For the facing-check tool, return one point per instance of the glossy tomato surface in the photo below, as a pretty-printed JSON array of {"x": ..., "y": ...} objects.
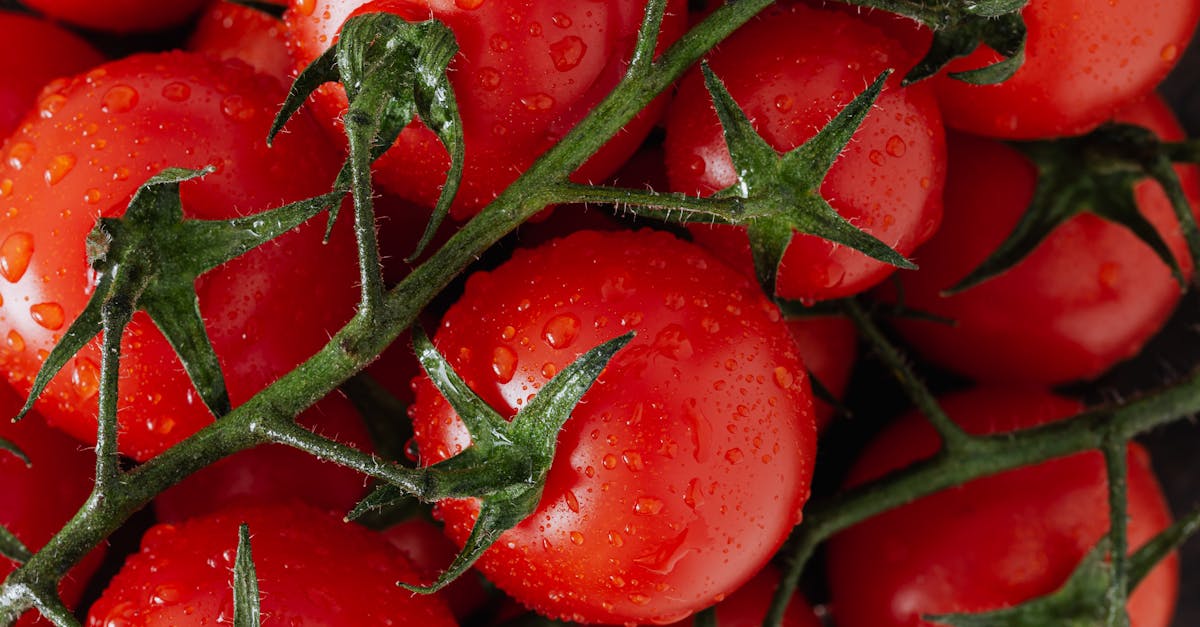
[
  {"x": 34, "y": 52},
  {"x": 1090, "y": 295},
  {"x": 97, "y": 138},
  {"x": 1084, "y": 62},
  {"x": 889, "y": 180},
  {"x": 996, "y": 541},
  {"x": 227, "y": 30},
  {"x": 748, "y": 606},
  {"x": 829, "y": 347},
  {"x": 118, "y": 16},
  {"x": 527, "y": 72},
  {"x": 313, "y": 569},
  {"x": 654, "y": 507}
]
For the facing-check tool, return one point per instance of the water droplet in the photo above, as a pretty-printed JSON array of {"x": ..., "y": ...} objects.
[
  {"x": 561, "y": 330},
  {"x": 561, "y": 20},
  {"x": 925, "y": 182},
  {"x": 92, "y": 196},
  {"x": 119, "y": 99},
  {"x": 504, "y": 363},
  {"x": 577, "y": 538},
  {"x": 572, "y": 501},
  {"x": 1169, "y": 53},
  {"x": 784, "y": 377},
  {"x": 549, "y": 370},
  {"x": 647, "y": 505},
  {"x": 85, "y": 378},
  {"x": 735, "y": 456},
  {"x": 468, "y": 5},
  {"x": 164, "y": 595},
  {"x": 306, "y": 7},
  {"x": 538, "y": 102},
  {"x": 20, "y": 154},
  {"x": 489, "y": 78},
  {"x": 508, "y": 333},
  {"x": 6, "y": 187},
  {"x": 567, "y": 52},
  {"x": 701, "y": 428},
  {"x": 784, "y": 103},
  {"x": 896, "y": 146},
  {"x": 14, "y": 255},
  {"x": 235, "y": 107},
  {"x": 633, "y": 460},
  {"x": 498, "y": 43},
  {"x": 639, "y": 599},
  {"x": 176, "y": 91},
  {"x": 609, "y": 461},
  {"x": 59, "y": 166},
  {"x": 50, "y": 105},
  {"x": 876, "y": 157},
  {"x": 48, "y": 315},
  {"x": 662, "y": 560},
  {"x": 615, "y": 539},
  {"x": 673, "y": 343},
  {"x": 15, "y": 342},
  {"x": 694, "y": 495}
]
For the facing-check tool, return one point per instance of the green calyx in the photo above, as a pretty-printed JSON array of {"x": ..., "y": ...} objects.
[
  {"x": 1094, "y": 173},
  {"x": 246, "y": 599}
]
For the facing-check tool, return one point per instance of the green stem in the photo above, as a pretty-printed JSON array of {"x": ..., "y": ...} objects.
[
  {"x": 115, "y": 317},
  {"x": 1115, "y": 460}
]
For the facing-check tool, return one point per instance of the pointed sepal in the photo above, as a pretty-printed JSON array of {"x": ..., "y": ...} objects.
[
  {"x": 7, "y": 446},
  {"x": 246, "y": 598},
  {"x": 482, "y": 422},
  {"x": 958, "y": 33},
  {"x": 12, "y": 548}
]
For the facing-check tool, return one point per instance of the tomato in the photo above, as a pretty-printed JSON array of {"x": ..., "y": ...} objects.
[
  {"x": 312, "y": 569},
  {"x": 276, "y": 472},
  {"x": 232, "y": 31},
  {"x": 118, "y": 16},
  {"x": 653, "y": 507},
  {"x": 888, "y": 181},
  {"x": 1084, "y": 61},
  {"x": 95, "y": 140},
  {"x": 429, "y": 550},
  {"x": 747, "y": 607},
  {"x": 996, "y": 541},
  {"x": 1090, "y": 295},
  {"x": 38, "y": 499},
  {"x": 34, "y": 52},
  {"x": 829, "y": 346},
  {"x": 527, "y": 72}
]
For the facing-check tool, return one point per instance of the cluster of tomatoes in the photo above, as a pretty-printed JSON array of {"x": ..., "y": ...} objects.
[{"x": 686, "y": 465}]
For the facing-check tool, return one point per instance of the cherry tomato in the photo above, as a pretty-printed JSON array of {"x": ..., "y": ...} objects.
[
  {"x": 1084, "y": 61},
  {"x": 996, "y": 541},
  {"x": 312, "y": 569},
  {"x": 748, "y": 606},
  {"x": 276, "y": 472},
  {"x": 38, "y": 499},
  {"x": 653, "y": 508},
  {"x": 118, "y": 16},
  {"x": 430, "y": 551},
  {"x": 829, "y": 346},
  {"x": 34, "y": 52},
  {"x": 887, "y": 182},
  {"x": 1089, "y": 296},
  {"x": 231, "y": 31},
  {"x": 97, "y": 138},
  {"x": 527, "y": 72}
]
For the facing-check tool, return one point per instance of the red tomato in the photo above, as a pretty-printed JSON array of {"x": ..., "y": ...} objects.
[
  {"x": 34, "y": 52},
  {"x": 232, "y": 31},
  {"x": 1089, "y": 296},
  {"x": 118, "y": 16},
  {"x": 37, "y": 500},
  {"x": 103, "y": 135},
  {"x": 996, "y": 541},
  {"x": 312, "y": 568},
  {"x": 276, "y": 472},
  {"x": 829, "y": 346},
  {"x": 654, "y": 506},
  {"x": 888, "y": 181},
  {"x": 527, "y": 72},
  {"x": 430, "y": 551},
  {"x": 748, "y": 606},
  {"x": 1084, "y": 61}
]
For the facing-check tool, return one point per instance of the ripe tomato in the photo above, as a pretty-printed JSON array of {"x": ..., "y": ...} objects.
[
  {"x": 527, "y": 72},
  {"x": 829, "y": 346},
  {"x": 231, "y": 31},
  {"x": 37, "y": 500},
  {"x": 888, "y": 181},
  {"x": 34, "y": 52},
  {"x": 996, "y": 541},
  {"x": 96, "y": 139},
  {"x": 748, "y": 606},
  {"x": 1084, "y": 61},
  {"x": 654, "y": 507},
  {"x": 1089, "y": 296},
  {"x": 276, "y": 472},
  {"x": 118, "y": 16},
  {"x": 429, "y": 551},
  {"x": 312, "y": 568}
]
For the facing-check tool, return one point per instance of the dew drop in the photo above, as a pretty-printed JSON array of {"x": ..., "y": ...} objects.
[
  {"x": 567, "y": 53},
  {"x": 508, "y": 333},
  {"x": 15, "y": 342},
  {"x": 176, "y": 91},
  {"x": 561, "y": 20},
  {"x": 504, "y": 363},
  {"x": 784, "y": 103},
  {"x": 647, "y": 505},
  {"x": 633, "y": 460},
  {"x": 561, "y": 331},
  {"x": 50, "y": 105},
  {"x": 1169, "y": 53},
  {"x": 85, "y": 378},
  {"x": 609, "y": 461},
  {"x": 876, "y": 157},
  {"x": 572, "y": 501},
  {"x": 538, "y": 102},
  {"x": 20, "y": 154},
  {"x": 784, "y": 378},
  {"x": 576, "y": 538},
  {"x": 59, "y": 166},
  {"x": 499, "y": 43},
  {"x": 6, "y": 187},
  {"x": 735, "y": 456},
  {"x": 489, "y": 78},
  {"x": 235, "y": 107},
  {"x": 119, "y": 99},
  {"x": 92, "y": 196},
  {"x": 639, "y": 599},
  {"x": 48, "y": 315},
  {"x": 896, "y": 146},
  {"x": 306, "y": 7},
  {"x": 549, "y": 370},
  {"x": 164, "y": 595},
  {"x": 14, "y": 255}
]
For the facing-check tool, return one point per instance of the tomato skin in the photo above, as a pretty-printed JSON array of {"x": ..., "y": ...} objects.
[
  {"x": 887, "y": 182},
  {"x": 996, "y": 541},
  {"x": 231, "y": 31},
  {"x": 527, "y": 72},
  {"x": 748, "y": 606},
  {"x": 648, "y": 513},
  {"x": 275, "y": 472},
  {"x": 37, "y": 500},
  {"x": 829, "y": 346},
  {"x": 34, "y": 52},
  {"x": 312, "y": 569},
  {"x": 265, "y": 311},
  {"x": 430, "y": 551},
  {"x": 118, "y": 16},
  {"x": 1084, "y": 62},
  {"x": 1089, "y": 296}
]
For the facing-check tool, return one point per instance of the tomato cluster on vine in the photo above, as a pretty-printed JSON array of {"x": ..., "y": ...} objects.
[{"x": 1018, "y": 232}]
